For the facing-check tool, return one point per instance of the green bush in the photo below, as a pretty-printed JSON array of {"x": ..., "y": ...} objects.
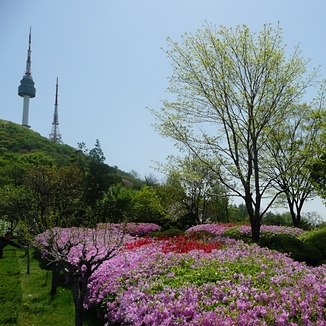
[
  {"x": 155, "y": 234},
  {"x": 321, "y": 262},
  {"x": 172, "y": 233},
  {"x": 295, "y": 248},
  {"x": 235, "y": 234},
  {"x": 203, "y": 234},
  {"x": 318, "y": 240},
  {"x": 171, "y": 225}
]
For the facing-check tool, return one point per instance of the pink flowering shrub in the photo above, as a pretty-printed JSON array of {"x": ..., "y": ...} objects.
[
  {"x": 238, "y": 285},
  {"x": 215, "y": 228},
  {"x": 78, "y": 253},
  {"x": 74, "y": 244},
  {"x": 133, "y": 229},
  {"x": 146, "y": 282},
  {"x": 244, "y": 231}
]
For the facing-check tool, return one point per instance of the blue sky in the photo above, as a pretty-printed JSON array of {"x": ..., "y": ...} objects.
[{"x": 107, "y": 55}]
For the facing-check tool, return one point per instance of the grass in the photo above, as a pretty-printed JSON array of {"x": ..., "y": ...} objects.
[
  {"x": 25, "y": 299},
  {"x": 10, "y": 290}
]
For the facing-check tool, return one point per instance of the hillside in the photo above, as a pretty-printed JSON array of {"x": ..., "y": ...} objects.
[{"x": 18, "y": 139}]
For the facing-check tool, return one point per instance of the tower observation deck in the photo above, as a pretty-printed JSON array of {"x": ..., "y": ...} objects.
[{"x": 26, "y": 88}]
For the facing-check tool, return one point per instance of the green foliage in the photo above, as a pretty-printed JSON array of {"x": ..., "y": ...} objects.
[
  {"x": 231, "y": 89},
  {"x": 172, "y": 233},
  {"x": 210, "y": 272},
  {"x": 155, "y": 234},
  {"x": 236, "y": 214},
  {"x": 296, "y": 248},
  {"x": 147, "y": 206},
  {"x": 116, "y": 204},
  {"x": 318, "y": 240},
  {"x": 277, "y": 219},
  {"x": 99, "y": 176},
  {"x": 318, "y": 175},
  {"x": 192, "y": 191},
  {"x": 235, "y": 234},
  {"x": 171, "y": 224},
  {"x": 203, "y": 234},
  {"x": 48, "y": 183},
  {"x": 285, "y": 219},
  {"x": 21, "y": 140}
]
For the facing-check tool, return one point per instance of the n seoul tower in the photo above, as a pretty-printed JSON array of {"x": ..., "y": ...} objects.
[
  {"x": 55, "y": 135},
  {"x": 26, "y": 88}
]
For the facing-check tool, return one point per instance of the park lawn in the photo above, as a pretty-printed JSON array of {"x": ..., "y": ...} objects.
[
  {"x": 25, "y": 299},
  {"x": 38, "y": 306},
  {"x": 10, "y": 290}
]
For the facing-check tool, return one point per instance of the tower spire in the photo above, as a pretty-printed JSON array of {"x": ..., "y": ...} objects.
[
  {"x": 26, "y": 88},
  {"x": 55, "y": 135},
  {"x": 28, "y": 61}
]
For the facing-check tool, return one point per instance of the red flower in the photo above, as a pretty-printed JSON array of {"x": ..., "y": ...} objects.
[{"x": 179, "y": 244}]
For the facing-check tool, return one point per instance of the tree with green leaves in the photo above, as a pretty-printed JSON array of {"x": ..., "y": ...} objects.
[
  {"x": 196, "y": 190},
  {"x": 232, "y": 88},
  {"x": 98, "y": 175},
  {"x": 294, "y": 145},
  {"x": 147, "y": 206},
  {"x": 116, "y": 205},
  {"x": 318, "y": 175}
]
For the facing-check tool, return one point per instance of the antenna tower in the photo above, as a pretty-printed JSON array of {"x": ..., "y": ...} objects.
[{"x": 55, "y": 135}]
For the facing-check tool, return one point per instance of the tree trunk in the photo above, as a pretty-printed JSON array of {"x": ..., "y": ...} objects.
[
  {"x": 255, "y": 230},
  {"x": 296, "y": 221},
  {"x": 79, "y": 289},
  {"x": 79, "y": 314},
  {"x": 296, "y": 217},
  {"x": 78, "y": 301},
  {"x": 55, "y": 279}
]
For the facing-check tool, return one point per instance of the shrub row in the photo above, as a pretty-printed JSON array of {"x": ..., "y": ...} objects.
[{"x": 309, "y": 248}]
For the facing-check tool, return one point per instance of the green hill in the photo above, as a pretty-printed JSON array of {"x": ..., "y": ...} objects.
[{"x": 18, "y": 139}]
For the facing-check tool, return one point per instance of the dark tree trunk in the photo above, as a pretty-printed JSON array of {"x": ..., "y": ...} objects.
[
  {"x": 255, "y": 220},
  {"x": 255, "y": 230},
  {"x": 296, "y": 217},
  {"x": 55, "y": 279},
  {"x": 79, "y": 289},
  {"x": 76, "y": 292}
]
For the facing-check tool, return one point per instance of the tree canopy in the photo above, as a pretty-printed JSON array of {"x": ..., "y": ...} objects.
[{"x": 232, "y": 88}]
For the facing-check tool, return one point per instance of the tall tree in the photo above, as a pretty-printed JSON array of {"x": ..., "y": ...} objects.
[
  {"x": 98, "y": 176},
  {"x": 294, "y": 145},
  {"x": 147, "y": 206},
  {"x": 200, "y": 195},
  {"x": 116, "y": 205},
  {"x": 232, "y": 88},
  {"x": 54, "y": 196}
]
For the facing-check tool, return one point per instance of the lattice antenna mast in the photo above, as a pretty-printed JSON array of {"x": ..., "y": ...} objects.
[
  {"x": 55, "y": 135},
  {"x": 26, "y": 88}
]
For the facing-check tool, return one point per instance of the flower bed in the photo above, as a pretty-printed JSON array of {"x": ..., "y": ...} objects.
[
  {"x": 271, "y": 230},
  {"x": 245, "y": 230},
  {"x": 179, "y": 244},
  {"x": 133, "y": 229},
  {"x": 190, "y": 280},
  {"x": 238, "y": 285},
  {"x": 215, "y": 228}
]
